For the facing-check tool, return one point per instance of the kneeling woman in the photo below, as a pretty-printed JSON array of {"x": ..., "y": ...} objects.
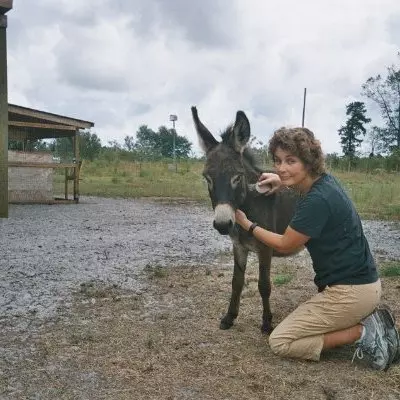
[{"x": 346, "y": 309}]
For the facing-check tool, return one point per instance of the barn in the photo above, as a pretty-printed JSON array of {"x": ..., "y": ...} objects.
[{"x": 30, "y": 173}]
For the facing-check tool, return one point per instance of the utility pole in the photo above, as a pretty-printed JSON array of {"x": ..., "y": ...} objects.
[
  {"x": 174, "y": 118},
  {"x": 304, "y": 107},
  {"x": 5, "y": 6}
]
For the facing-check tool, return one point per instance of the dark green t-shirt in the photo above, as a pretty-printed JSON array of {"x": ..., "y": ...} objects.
[{"x": 337, "y": 245}]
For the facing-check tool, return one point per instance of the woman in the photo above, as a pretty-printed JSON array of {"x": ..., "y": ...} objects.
[{"x": 346, "y": 310}]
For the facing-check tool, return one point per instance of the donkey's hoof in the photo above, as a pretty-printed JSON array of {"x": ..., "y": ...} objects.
[
  {"x": 266, "y": 328},
  {"x": 226, "y": 323}
]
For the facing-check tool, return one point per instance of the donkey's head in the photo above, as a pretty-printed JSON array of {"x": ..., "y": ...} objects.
[{"x": 227, "y": 169}]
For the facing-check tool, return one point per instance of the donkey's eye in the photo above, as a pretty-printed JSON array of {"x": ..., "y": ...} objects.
[{"x": 236, "y": 180}]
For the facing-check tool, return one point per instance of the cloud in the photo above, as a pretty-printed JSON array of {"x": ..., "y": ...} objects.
[
  {"x": 123, "y": 64},
  {"x": 199, "y": 23}
]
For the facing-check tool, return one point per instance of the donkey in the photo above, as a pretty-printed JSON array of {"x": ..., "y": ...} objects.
[{"x": 231, "y": 173}]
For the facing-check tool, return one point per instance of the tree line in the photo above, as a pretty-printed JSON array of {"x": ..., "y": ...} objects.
[{"x": 148, "y": 145}]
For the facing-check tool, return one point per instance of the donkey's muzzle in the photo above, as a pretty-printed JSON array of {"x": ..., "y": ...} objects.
[
  {"x": 223, "y": 228},
  {"x": 224, "y": 218}
]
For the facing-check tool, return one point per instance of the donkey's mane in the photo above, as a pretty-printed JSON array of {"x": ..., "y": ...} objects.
[
  {"x": 247, "y": 153},
  {"x": 225, "y": 134}
]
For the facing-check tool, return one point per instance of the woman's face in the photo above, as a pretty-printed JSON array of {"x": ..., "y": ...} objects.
[{"x": 291, "y": 169}]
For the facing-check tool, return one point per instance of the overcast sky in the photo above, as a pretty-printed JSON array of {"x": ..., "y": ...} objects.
[{"x": 125, "y": 63}]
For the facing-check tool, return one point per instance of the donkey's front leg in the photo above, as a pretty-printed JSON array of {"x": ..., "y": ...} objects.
[
  {"x": 264, "y": 287},
  {"x": 240, "y": 261}
]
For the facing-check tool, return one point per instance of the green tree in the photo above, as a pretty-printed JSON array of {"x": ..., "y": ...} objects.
[
  {"x": 378, "y": 140},
  {"x": 15, "y": 145},
  {"x": 28, "y": 145},
  {"x": 259, "y": 151},
  {"x": 332, "y": 160},
  {"x": 161, "y": 144},
  {"x": 129, "y": 143},
  {"x": 354, "y": 127},
  {"x": 147, "y": 143},
  {"x": 89, "y": 145},
  {"x": 166, "y": 138},
  {"x": 62, "y": 147},
  {"x": 385, "y": 92},
  {"x": 114, "y": 145}
]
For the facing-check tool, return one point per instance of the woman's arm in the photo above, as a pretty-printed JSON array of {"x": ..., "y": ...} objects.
[{"x": 289, "y": 242}]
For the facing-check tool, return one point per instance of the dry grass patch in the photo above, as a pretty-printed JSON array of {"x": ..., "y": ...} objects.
[{"x": 164, "y": 342}]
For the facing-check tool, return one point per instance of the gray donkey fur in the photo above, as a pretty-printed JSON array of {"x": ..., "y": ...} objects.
[{"x": 231, "y": 174}]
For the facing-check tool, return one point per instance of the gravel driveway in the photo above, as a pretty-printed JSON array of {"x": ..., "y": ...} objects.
[{"x": 47, "y": 251}]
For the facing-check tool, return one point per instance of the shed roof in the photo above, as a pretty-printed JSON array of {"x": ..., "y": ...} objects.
[{"x": 28, "y": 123}]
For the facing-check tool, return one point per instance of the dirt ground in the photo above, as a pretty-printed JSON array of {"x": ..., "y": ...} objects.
[{"x": 121, "y": 299}]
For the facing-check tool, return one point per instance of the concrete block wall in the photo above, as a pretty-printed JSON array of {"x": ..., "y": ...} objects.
[{"x": 30, "y": 184}]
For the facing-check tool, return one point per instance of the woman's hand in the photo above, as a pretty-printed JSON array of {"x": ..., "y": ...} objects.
[
  {"x": 270, "y": 179},
  {"x": 241, "y": 219}
]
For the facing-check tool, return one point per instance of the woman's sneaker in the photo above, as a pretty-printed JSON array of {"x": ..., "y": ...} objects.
[
  {"x": 392, "y": 333},
  {"x": 380, "y": 340}
]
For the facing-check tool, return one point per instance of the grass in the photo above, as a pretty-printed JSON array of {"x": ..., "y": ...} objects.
[
  {"x": 279, "y": 280},
  {"x": 133, "y": 180},
  {"x": 376, "y": 196},
  {"x": 390, "y": 269},
  {"x": 156, "y": 271}
]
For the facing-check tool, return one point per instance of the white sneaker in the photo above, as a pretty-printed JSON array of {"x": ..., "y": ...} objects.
[{"x": 381, "y": 339}]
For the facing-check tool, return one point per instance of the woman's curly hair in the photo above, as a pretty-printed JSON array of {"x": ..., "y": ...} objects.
[{"x": 301, "y": 143}]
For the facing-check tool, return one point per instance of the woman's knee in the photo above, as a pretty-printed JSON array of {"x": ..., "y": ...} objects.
[{"x": 278, "y": 344}]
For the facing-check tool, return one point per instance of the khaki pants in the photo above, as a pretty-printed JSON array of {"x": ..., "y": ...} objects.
[{"x": 301, "y": 333}]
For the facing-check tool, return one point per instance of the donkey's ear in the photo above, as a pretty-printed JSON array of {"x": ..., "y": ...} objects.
[
  {"x": 241, "y": 131},
  {"x": 207, "y": 140}
]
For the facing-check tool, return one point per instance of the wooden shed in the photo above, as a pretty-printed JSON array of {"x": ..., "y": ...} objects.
[{"x": 30, "y": 173}]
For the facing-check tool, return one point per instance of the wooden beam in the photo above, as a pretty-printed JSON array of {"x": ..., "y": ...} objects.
[
  {"x": 38, "y": 125},
  {"x": 66, "y": 184},
  {"x": 77, "y": 167},
  {"x": 3, "y": 117},
  {"x": 41, "y": 165},
  {"x": 58, "y": 119}
]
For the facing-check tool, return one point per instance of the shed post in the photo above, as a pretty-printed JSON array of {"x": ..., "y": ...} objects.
[
  {"x": 5, "y": 6},
  {"x": 77, "y": 166}
]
